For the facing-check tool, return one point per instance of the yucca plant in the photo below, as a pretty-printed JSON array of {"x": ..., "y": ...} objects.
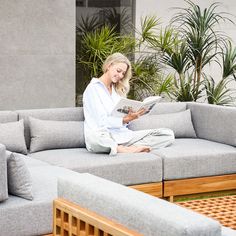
[
  {"x": 219, "y": 93},
  {"x": 88, "y": 24},
  {"x": 97, "y": 45},
  {"x": 144, "y": 78},
  {"x": 165, "y": 86},
  {"x": 185, "y": 89},
  {"x": 198, "y": 29},
  {"x": 229, "y": 60}
]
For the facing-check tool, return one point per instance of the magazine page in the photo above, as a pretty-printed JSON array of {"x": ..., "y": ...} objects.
[{"x": 124, "y": 105}]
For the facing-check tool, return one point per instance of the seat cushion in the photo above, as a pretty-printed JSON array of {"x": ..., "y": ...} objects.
[
  {"x": 35, "y": 216},
  {"x": 188, "y": 158},
  {"x": 126, "y": 168},
  {"x": 228, "y": 232}
]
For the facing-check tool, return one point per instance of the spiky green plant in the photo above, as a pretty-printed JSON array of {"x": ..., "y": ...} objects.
[
  {"x": 229, "y": 60},
  {"x": 99, "y": 44},
  {"x": 198, "y": 29},
  {"x": 88, "y": 24},
  {"x": 219, "y": 93},
  {"x": 145, "y": 77},
  {"x": 165, "y": 86},
  {"x": 185, "y": 89}
]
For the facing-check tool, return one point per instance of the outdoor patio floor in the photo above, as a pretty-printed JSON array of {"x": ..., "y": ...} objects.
[{"x": 222, "y": 209}]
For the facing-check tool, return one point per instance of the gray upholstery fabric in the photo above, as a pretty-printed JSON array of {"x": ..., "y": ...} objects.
[
  {"x": 20, "y": 217},
  {"x": 168, "y": 107},
  {"x": 126, "y": 168},
  {"x": 216, "y": 123},
  {"x": 8, "y": 116},
  {"x": 30, "y": 162},
  {"x": 18, "y": 177},
  {"x": 3, "y": 174},
  {"x": 60, "y": 114},
  {"x": 146, "y": 214},
  {"x": 179, "y": 122},
  {"x": 12, "y": 136},
  {"x": 188, "y": 158},
  {"x": 228, "y": 232},
  {"x": 48, "y": 134}
]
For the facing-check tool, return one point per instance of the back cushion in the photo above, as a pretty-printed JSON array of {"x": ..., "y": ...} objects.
[
  {"x": 57, "y": 114},
  {"x": 8, "y": 116},
  {"x": 3, "y": 174},
  {"x": 179, "y": 122},
  {"x": 168, "y": 107},
  {"x": 50, "y": 134},
  {"x": 11, "y": 131},
  {"x": 215, "y": 123},
  {"x": 12, "y": 136}
]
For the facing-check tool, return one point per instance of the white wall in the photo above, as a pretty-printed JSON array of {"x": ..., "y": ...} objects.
[
  {"x": 37, "y": 54},
  {"x": 164, "y": 9}
]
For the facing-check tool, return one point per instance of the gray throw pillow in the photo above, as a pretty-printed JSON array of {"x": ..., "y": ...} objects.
[
  {"x": 48, "y": 134},
  {"x": 18, "y": 177},
  {"x": 12, "y": 136},
  {"x": 179, "y": 122},
  {"x": 3, "y": 174}
]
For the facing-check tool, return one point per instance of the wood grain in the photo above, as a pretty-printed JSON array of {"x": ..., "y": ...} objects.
[
  {"x": 71, "y": 219},
  {"x": 154, "y": 189},
  {"x": 199, "y": 185}
]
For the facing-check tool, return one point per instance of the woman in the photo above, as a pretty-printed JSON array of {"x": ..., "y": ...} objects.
[{"x": 108, "y": 134}]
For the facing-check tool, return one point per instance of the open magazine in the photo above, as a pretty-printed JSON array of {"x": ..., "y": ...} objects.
[{"x": 124, "y": 105}]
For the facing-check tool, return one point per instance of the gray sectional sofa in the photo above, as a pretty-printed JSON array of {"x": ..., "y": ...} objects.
[{"x": 47, "y": 144}]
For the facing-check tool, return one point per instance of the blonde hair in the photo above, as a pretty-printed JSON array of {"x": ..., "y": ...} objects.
[{"x": 122, "y": 87}]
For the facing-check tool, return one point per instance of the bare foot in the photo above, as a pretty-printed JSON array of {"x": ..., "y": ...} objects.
[{"x": 133, "y": 149}]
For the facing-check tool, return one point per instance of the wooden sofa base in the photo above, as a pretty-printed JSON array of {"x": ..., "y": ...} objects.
[
  {"x": 70, "y": 219},
  {"x": 198, "y": 185},
  {"x": 154, "y": 189}
]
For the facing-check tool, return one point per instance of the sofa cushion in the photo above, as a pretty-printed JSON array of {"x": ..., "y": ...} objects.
[
  {"x": 20, "y": 217},
  {"x": 228, "y": 232},
  {"x": 48, "y": 134},
  {"x": 3, "y": 174},
  {"x": 8, "y": 116},
  {"x": 187, "y": 158},
  {"x": 60, "y": 114},
  {"x": 12, "y": 136},
  {"x": 179, "y": 122},
  {"x": 136, "y": 210},
  {"x": 18, "y": 177},
  {"x": 215, "y": 123},
  {"x": 124, "y": 168},
  {"x": 168, "y": 107}
]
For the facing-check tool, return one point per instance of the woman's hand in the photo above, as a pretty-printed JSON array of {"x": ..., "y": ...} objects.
[{"x": 133, "y": 115}]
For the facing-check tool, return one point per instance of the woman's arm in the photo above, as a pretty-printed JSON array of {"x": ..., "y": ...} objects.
[{"x": 133, "y": 115}]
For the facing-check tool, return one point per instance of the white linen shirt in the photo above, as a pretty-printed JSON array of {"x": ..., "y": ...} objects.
[{"x": 98, "y": 104}]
